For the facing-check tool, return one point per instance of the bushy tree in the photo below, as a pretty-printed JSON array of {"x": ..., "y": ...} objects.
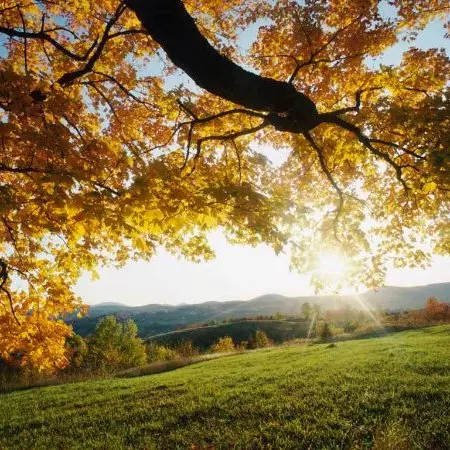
[
  {"x": 101, "y": 162},
  {"x": 350, "y": 327},
  {"x": 436, "y": 310},
  {"x": 132, "y": 347},
  {"x": 115, "y": 345},
  {"x": 223, "y": 345},
  {"x": 261, "y": 339}
]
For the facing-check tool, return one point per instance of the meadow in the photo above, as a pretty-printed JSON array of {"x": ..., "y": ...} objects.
[{"x": 391, "y": 392}]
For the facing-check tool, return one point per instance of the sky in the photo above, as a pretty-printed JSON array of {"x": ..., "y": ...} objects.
[{"x": 238, "y": 272}]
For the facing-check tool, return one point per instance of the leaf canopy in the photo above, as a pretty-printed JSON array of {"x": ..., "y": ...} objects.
[{"x": 108, "y": 151}]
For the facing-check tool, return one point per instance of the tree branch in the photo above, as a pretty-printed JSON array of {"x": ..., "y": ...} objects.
[
  {"x": 70, "y": 77},
  {"x": 169, "y": 24},
  {"x": 3, "y": 280},
  {"x": 44, "y": 36},
  {"x": 367, "y": 143},
  {"x": 328, "y": 174}
]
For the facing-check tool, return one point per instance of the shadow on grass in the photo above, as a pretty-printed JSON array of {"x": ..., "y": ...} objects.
[
  {"x": 150, "y": 369},
  {"x": 167, "y": 366}
]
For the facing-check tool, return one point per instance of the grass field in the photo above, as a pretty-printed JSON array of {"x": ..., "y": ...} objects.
[{"x": 390, "y": 392}]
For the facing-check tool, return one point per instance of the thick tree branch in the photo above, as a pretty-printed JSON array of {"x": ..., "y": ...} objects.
[{"x": 169, "y": 24}]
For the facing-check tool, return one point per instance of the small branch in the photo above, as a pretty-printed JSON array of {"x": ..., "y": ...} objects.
[
  {"x": 238, "y": 156},
  {"x": 328, "y": 174},
  {"x": 121, "y": 87},
  {"x": 68, "y": 78},
  {"x": 367, "y": 143},
  {"x": 399, "y": 147},
  {"x": 3, "y": 280},
  {"x": 357, "y": 105},
  {"x": 225, "y": 137},
  {"x": 188, "y": 149},
  {"x": 107, "y": 188},
  {"x": 44, "y": 36}
]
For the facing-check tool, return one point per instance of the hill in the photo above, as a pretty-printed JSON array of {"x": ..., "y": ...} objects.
[
  {"x": 155, "y": 318},
  {"x": 390, "y": 392},
  {"x": 278, "y": 330}
]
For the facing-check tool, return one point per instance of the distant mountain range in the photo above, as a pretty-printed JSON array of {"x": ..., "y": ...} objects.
[{"x": 156, "y": 318}]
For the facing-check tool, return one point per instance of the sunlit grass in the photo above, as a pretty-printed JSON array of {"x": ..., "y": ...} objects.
[{"x": 389, "y": 392}]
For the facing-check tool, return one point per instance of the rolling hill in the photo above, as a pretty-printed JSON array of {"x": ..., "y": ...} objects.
[
  {"x": 154, "y": 319},
  {"x": 278, "y": 330}
]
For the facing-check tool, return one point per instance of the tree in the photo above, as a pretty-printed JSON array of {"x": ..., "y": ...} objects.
[
  {"x": 436, "y": 310},
  {"x": 306, "y": 311},
  {"x": 116, "y": 346},
  {"x": 261, "y": 339},
  {"x": 223, "y": 345},
  {"x": 132, "y": 347},
  {"x": 326, "y": 333},
  {"x": 103, "y": 161}
]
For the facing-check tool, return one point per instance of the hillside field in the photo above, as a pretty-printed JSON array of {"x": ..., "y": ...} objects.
[
  {"x": 391, "y": 392},
  {"x": 278, "y": 330}
]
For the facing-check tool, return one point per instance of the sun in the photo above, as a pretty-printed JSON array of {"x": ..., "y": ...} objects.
[{"x": 332, "y": 265}]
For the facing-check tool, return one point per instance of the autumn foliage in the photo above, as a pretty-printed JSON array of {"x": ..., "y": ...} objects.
[{"x": 108, "y": 151}]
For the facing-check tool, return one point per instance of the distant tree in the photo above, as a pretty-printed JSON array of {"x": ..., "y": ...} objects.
[
  {"x": 223, "y": 345},
  {"x": 306, "y": 311},
  {"x": 261, "y": 339},
  {"x": 115, "y": 345},
  {"x": 326, "y": 334},
  {"x": 436, "y": 310}
]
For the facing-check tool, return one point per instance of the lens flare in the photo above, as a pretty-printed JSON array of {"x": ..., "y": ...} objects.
[{"x": 332, "y": 268}]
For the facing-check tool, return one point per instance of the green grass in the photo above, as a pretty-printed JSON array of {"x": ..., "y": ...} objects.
[{"x": 389, "y": 392}]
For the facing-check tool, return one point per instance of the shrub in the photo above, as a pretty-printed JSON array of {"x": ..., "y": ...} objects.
[
  {"x": 77, "y": 352},
  {"x": 350, "y": 327},
  {"x": 243, "y": 345},
  {"x": 186, "y": 349},
  {"x": 158, "y": 352},
  {"x": 223, "y": 345},
  {"x": 261, "y": 339},
  {"x": 325, "y": 333}
]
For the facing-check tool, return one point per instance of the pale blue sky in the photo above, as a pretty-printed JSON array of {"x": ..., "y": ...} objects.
[{"x": 238, "y": 272}]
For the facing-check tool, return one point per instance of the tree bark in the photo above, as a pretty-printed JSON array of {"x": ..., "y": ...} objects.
[{"x": 169, "y": 24}]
